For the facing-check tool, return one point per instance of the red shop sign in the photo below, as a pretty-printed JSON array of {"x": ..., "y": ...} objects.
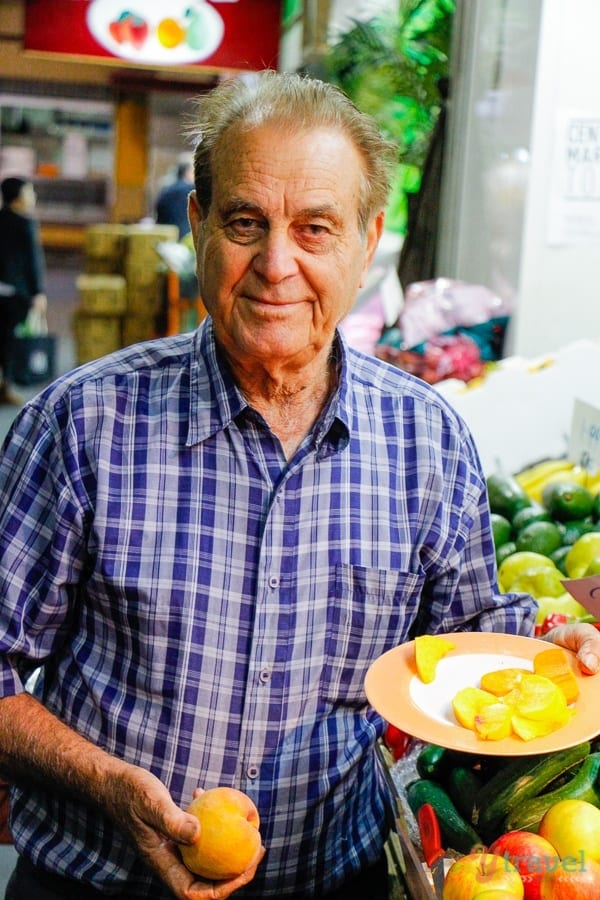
[{"x": 215, "y": 34}]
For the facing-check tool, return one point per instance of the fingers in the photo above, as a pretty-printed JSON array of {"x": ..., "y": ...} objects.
[
  {"x": 219, "y": 890},
  {"x": 584, "y": 640}
]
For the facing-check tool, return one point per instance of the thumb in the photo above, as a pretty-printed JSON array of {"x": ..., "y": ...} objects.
[
  {"x": 582, "y": 639},
  {"x": 182, "y": 828}
]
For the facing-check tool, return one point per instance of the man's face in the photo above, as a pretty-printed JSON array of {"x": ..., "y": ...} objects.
[{"x": 280, "y": 255}]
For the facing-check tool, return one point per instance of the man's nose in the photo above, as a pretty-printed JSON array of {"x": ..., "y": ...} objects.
[{"x": 275, "y": 259}]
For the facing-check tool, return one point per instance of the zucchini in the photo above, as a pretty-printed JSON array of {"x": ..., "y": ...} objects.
[
  {"x": 528, "y": 814},
  {"x": 522, "y": 778},
  {"x": 463, "y": 785},
  {"x": 433, "y": 762},
  {"x": 456, "y": 832}
]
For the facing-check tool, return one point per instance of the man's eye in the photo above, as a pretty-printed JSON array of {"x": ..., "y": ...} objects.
[
  {"x": 243, "y": 227},
  {"x": 315, "y": 230}
]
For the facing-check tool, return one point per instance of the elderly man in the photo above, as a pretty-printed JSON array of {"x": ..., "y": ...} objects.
[{"x": 207, "y": 539}]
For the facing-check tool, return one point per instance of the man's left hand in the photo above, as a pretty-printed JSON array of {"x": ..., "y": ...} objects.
[{"x": 583, "y": 639}]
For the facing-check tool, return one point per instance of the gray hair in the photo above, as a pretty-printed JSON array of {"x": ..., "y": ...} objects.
[{"x": 296, "y": 102}]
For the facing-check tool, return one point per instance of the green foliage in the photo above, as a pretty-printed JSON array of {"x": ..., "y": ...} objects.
[{"x": 391, "y": 65}]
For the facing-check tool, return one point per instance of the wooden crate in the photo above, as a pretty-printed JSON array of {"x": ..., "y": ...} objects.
[
  {"x": 102, "y": 295},
  {"x": 95, "y": 336}
]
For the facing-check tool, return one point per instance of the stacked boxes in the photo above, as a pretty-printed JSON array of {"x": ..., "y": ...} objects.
[
  {"x": 98, "y": 323},
  {"x": 123, "y": 288},
  {"x": 145, "y": 274},
  {"x": 104, "y": 249}
]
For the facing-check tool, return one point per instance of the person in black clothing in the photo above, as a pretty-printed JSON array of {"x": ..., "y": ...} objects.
[
  {"x": 172, "y": 202},
  {"x": 22, "y": 271}
]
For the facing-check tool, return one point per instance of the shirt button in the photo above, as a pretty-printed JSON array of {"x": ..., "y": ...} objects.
[
  {"x": 273, "y": 581},
  {"x": 252, "y": 771},
  {"x": 264, "y": 675}
]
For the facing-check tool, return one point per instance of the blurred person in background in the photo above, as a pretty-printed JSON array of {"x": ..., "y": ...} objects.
[
  {"x": 172, "y": 201},
  {"x": 22, "y": 272}
]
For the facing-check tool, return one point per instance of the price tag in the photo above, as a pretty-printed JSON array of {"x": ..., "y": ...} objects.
[
  {"x": 586, "y": 591},
  {"x": 584, "y": 440}
]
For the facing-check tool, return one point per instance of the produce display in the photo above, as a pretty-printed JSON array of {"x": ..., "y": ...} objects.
[
  {"x": 536, "y": 816},
  {"x": 546, "y": 527},
  {"x": 520, "y": 827}
]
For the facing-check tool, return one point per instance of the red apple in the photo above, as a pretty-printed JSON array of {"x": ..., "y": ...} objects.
[
  {"x": 531, "y": 854},
  {"x": 477, "y": 872},
  {"x": 573, "y": 879}
]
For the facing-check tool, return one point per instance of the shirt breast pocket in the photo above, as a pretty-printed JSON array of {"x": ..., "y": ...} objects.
[{"x": 371, "y": 611}]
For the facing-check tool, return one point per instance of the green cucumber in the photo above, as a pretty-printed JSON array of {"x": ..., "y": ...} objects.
[
  {"x": 522, "y": 778},
  {"x": 463, "y": 785},
  {"x": 456, "y": 832},
  {"x": 583, "y": 786}
]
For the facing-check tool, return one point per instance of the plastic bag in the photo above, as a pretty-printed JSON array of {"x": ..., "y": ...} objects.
[
  {"x": 35, "y": 325},
  {"x": 443, "y": 306}
]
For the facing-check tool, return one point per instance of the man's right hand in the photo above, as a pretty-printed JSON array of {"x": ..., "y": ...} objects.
[{"x": 141, "y": 806}]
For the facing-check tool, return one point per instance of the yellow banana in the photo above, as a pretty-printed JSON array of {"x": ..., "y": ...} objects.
[{"x": 533, "y": 479}]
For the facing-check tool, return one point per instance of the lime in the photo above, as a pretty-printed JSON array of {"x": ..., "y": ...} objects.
[
  {"x": 564, "y": 604},
  {"x": 505, "y": 550},
  {"x": 529, "y": 514},
  {"x": 501, "y": 529},
  {"x": 539, "y": 583},
  {"x": 567, "y": 500},
  {"x": 582, "y": 553},
  {"x": 573, "y": 530},
  {"x": 558, "y": 558},
  {"x": 519, "y": 562},
  {"x": 539, "y": 537},
  {"x": 593, "y": 567}
]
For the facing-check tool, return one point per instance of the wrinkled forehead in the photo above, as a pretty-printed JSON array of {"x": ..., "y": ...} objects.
[{"x": 293, "y": 156}]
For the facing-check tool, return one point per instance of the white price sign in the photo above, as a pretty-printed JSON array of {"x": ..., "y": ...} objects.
[{"x": 584, "y": 440}]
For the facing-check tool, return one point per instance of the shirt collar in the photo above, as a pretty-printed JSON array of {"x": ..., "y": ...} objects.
[{"x": 215, "y": 400}]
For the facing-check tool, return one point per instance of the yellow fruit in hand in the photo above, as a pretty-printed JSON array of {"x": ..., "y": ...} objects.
[
  {"x": 229, "y": 836},
  {"x": 429, "y": 649}
]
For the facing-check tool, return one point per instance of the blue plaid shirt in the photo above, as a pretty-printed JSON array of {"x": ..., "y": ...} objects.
[{"x": 210, "y": 610}]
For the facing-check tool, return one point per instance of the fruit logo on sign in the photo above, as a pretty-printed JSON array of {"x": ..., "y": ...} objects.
[{"x": 154, "y": 31}]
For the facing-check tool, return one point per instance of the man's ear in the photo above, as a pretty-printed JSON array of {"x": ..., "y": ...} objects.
[
  {"x": 374, "y": 232},
  {"x": 194, "y": 215}
]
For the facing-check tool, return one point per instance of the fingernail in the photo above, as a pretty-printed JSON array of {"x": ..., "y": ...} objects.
[{"x": 590, "y": 661}]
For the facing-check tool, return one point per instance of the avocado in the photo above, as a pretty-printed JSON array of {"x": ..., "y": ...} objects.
[{"x": 506, "y": 496}]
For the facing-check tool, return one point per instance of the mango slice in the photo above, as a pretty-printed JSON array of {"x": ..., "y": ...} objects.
[
  {"x": 518, "y": 702},
  {"x": 537, "y": 698},
  {"x": 528, "y": 729},
  {"x": 468, "y": 703},
  {"x": 429, "y": 649},
  {"x": 494, "y": 722},
  {"x": 501, "y": 681},
  {"x": 554, "y": 664}
]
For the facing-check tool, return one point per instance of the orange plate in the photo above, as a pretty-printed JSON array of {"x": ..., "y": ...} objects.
[{"x": 425, "y": 710}]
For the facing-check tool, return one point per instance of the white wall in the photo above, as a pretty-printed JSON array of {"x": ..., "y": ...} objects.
[
  {"x": 519, "y": 65},
  {"x": 560, "y": 269}
]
